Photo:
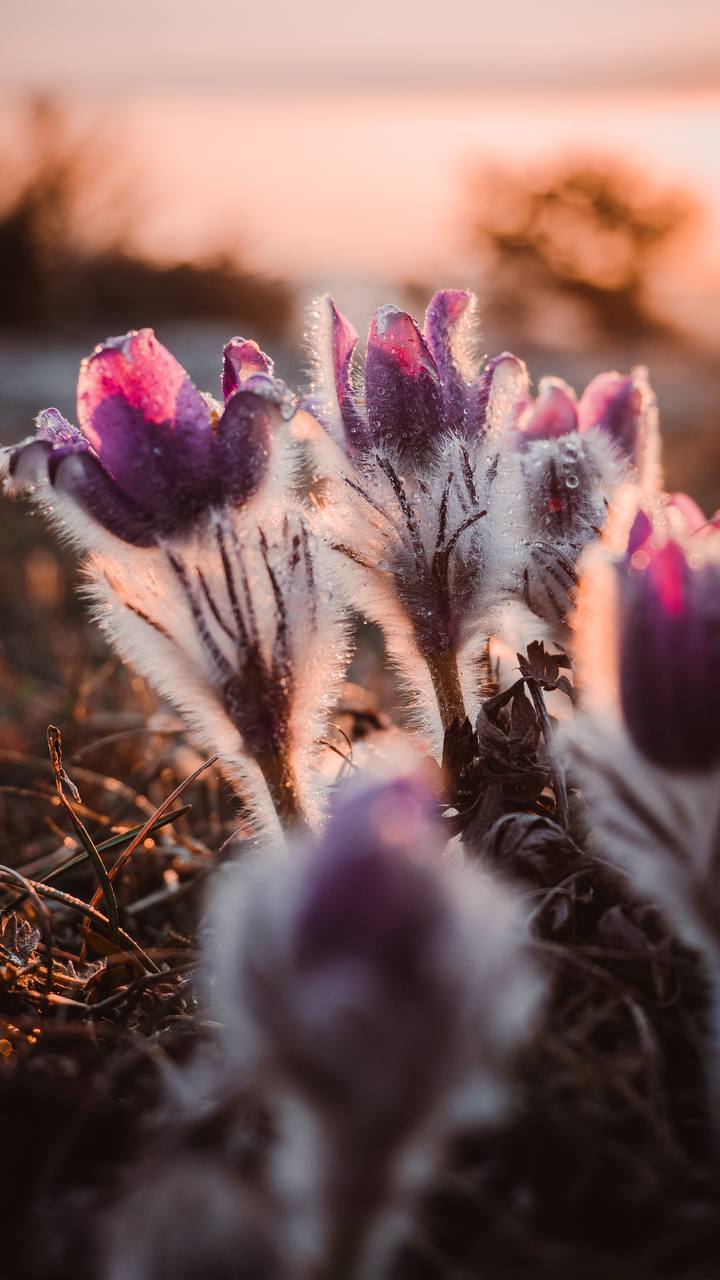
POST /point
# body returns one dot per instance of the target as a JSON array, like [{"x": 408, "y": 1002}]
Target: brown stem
[
  {"x": 282, "y": 784},
  {"x": 556, "y": 762},
  {"x": 443, "y": 668}
]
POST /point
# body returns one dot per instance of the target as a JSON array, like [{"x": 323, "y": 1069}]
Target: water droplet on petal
[{"x": 571, "y": 482}]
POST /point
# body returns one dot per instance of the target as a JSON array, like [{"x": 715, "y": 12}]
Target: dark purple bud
[
  {"x": 242, "y": 358},
  {"x": 500, "y": 395},
  {"x": 669, "y": 637},
  {"x": 368, "y": 896},
  {"x": 623, "y": 406},
  {"x": 152, "y": 459},
  {"x": 447, "y": 321},
  {"x": 375, "y": 990},
  {"x": 402, "y": 387},
  {"x": 553, "y": 413},
  {"x": 241, "y": 446}
]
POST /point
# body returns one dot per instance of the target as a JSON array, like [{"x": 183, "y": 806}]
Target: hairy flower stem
[
  {"x": 557, "y": 764},
  {"x": 357, "y": 1197},
  {"x": 443, "y": 668},
  {"x": 281, "y": 782}
]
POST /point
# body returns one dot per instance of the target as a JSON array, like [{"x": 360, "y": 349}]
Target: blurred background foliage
[
  {"x": 54, "y": 280},
  {"x": 581, "y": 235}
]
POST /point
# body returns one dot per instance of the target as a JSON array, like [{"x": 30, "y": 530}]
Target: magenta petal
[
  {"x": 148, "y": 424},
  {"x": 241, "y": 446},
  {"x": 82, "y": 477},
  {"x": 554, "y": 412},
  {"x": 241, "y": 359},
  {"x": 446, "y": 325},
  {"x": 614, "y": 403},
  {"x": 402, "y": 387}
]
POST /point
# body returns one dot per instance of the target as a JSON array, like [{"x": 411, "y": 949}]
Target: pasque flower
[
  {"x": 670, "y": 655},
  {"x": 152, "y": 455},
  {"x": 574, "y": 457},
  {"x": 378, "y": 985},
  {"x": 647, "y": 748},
  {"x": 421, "y": 468},
  {"x": 203, "y": 570}
]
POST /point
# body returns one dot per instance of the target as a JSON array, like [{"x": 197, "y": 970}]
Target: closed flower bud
[
  {"x": 150, "y": 458},
  {"x": 670, "y": 655}
]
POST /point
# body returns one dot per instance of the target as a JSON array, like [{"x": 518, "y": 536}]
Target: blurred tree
[
  {"x": 54, "y": 274},
  {"x": 586, "y": 233}
]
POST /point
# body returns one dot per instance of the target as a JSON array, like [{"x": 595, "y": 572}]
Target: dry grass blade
[
  {"x": 62, "y": 780},
  {"x": 145, "y": 830}
]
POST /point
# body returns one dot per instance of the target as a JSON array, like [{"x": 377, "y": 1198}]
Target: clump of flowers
[
  {"x": 452, "y": 492},
  {"x": 374, "y": 976}
]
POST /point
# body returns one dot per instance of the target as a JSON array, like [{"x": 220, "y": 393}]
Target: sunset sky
[
  {"x": 324, "y": 140},
  {"x": 80, "y": 44}
]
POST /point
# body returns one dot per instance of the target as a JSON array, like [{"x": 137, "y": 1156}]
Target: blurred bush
[
  {"x": 52, "y": 277},
  {"x": 585, "y": 234}
]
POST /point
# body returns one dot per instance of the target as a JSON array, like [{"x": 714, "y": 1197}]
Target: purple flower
[
  {"x": 370, "y": 973},
  {"x": 412, "y": 387},
  {"x": 620, "y": 406},
  {"x": 669, "y": 638},
  {"x": 152, "y": 456}
]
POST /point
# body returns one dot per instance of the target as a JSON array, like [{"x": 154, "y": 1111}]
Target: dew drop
[{"x": 571, "y": 482}]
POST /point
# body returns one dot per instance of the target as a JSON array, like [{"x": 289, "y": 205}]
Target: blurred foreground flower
[{"x": 376, "y": 993}]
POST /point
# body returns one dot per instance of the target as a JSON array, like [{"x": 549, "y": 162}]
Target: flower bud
[{"x": 670, "y": 656}]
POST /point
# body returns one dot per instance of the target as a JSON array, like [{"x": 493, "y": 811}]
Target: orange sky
[
  {"x": 76, "y": 44},
  {"x": 229, "y": 123}
]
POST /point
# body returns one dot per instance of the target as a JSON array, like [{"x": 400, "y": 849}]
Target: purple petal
[
  {"x": 241, "y": 446},
  {"x": 52, "y": 426},
  {"x": 623, "y": 405},
  {"x": 641, "y": 532},
  {"x": 500, "y": 395},
  {"x": 446, "y": 329},
  {"x": 148, "y": 424},
  {"x": 669, "y": 658},
  {"x": 368, "y": 896},
  {"x": 332, "y": 400},
  {"x": 241, "y": 359},
  {"x": 82, "y": 477},
  {"x": 554, "y": 412},
  {"x": 402, "y": 387}
]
